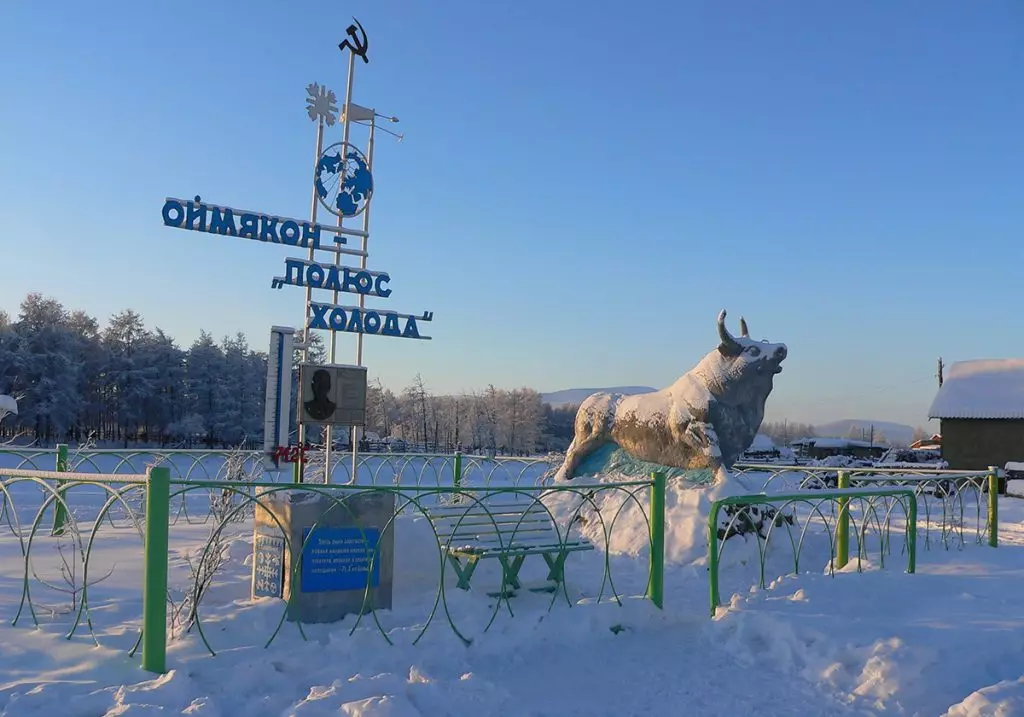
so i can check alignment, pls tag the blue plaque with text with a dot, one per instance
(338, 559)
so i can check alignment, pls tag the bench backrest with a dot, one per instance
(494, 525)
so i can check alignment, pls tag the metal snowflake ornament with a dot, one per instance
(321, 104)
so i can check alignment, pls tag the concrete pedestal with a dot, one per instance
(335, 545)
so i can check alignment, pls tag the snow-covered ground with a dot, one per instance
(947, 640)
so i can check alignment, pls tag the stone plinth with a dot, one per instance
(334, 544)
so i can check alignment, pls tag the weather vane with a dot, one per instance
(356, 42)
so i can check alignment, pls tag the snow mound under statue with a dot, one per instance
(618, 520)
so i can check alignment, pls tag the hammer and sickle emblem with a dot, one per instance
(356, 41)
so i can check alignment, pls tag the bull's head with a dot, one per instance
(758, 356)
(741, 371)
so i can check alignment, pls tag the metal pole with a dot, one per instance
(993, 506)
(656, 579)
(154, 589)
(843, 524)
(356, 430)
(301, 429)
(60, 507)
(912, 534)
(346, 121)
(713, 556)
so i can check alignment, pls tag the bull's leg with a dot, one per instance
(591, 430)
(580, 448)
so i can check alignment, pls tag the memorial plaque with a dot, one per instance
(334, 539)
(268, 566)
(339, 559)
(333, 394)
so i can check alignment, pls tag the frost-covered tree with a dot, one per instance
(520, 414)
(166, 365)
(414, 401)
(205, 386)
(77, 379)
(47, 368)
(241, 409)
(129, 377)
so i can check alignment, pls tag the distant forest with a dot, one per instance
(127, 384)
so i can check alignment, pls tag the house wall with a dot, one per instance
(977, 444)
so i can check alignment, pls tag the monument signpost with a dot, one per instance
(344, 542)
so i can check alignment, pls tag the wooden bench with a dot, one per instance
(508, 531)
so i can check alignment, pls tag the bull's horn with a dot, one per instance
(743, 328)
(729, 345)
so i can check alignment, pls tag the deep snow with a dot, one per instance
(947, 640)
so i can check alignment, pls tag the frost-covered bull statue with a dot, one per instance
(706, 419)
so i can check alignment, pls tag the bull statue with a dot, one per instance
(706, 419)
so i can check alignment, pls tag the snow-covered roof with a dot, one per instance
(984, 388)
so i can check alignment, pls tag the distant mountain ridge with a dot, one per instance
(893, 432)
(576, 396)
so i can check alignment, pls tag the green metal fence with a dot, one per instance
(416, 469)
(371, 468)
(92, 508)
(812, 514)
(956, 506)
(28, 498)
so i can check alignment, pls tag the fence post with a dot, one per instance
(154, 589)
(912, 534)
(713, 556)
(60, 509)
(843, 524)
(993, 506)
(656, 581)
(457, 473)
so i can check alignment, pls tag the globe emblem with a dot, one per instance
(344, 184)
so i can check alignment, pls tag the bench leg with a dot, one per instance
(465, 574)
(510, 572)
(556, 566)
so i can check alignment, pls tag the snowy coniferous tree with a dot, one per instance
(9, 356)
(129, 377)
(204, 385)
(166, 363)
(93, 360)
(48, 368)
(240, 417)
(229, 411)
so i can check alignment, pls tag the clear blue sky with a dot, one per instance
(582, 187)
